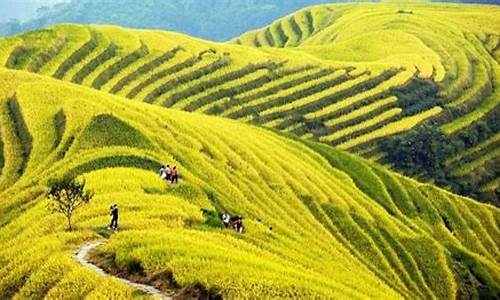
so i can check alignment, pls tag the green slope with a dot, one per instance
(360, 77)
(464, 63)
(453, 48)
(342, 227)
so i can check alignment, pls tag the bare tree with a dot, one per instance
(67, 195)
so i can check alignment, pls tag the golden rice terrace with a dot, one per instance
(413, 87)
(353, 76)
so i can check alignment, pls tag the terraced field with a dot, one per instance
(352, 76)
(455, 50)
(342, 227)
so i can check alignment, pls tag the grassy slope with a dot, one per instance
(440, 61)
(455, 46)
(341, 226)
(176, 71)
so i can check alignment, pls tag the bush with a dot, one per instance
(423, 150)
(213, 218)
(20, 57)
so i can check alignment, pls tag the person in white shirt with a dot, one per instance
(226, 218)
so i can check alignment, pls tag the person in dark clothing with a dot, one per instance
(239, 226)
(236, 223)
(174, 176)
(114, 217)
(111, 213)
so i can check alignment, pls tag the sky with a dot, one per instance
(22, 9)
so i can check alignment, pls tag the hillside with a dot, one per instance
(341, 227)
(360, 77)
(456, 52)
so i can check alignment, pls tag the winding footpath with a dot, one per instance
(81, 254)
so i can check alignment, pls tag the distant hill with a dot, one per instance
(211, 19)
(218, 20)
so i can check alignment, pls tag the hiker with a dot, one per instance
(239, 225)
(114, 217)
(174, 177)
(163, 173)
(226, 218)
(168, 173)
(236, 222)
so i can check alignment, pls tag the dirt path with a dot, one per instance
(81, 255)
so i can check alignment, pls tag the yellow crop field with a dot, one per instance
(377, 119)
(398, 126)
(292, 127)
(303, 73)
(343, 228)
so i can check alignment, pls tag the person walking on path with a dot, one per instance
(114, 217)
(174, 176)
(168, 173)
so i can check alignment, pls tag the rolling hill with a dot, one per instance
(454, 51)
(342, 226)
(413, 86)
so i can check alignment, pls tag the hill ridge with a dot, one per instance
(384, 97)
(344, 227)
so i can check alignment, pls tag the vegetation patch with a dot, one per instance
(143, 69)
(20, 57)
(106, 55)
(107, 74)
(60, 126)
(164, 281)
(108, 130)
(22, 133)
(45, 56)
(77, 56)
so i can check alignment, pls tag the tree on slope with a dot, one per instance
(66, 196)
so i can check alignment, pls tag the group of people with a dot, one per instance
(113, 212)
(233, 222)
(169, 174)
